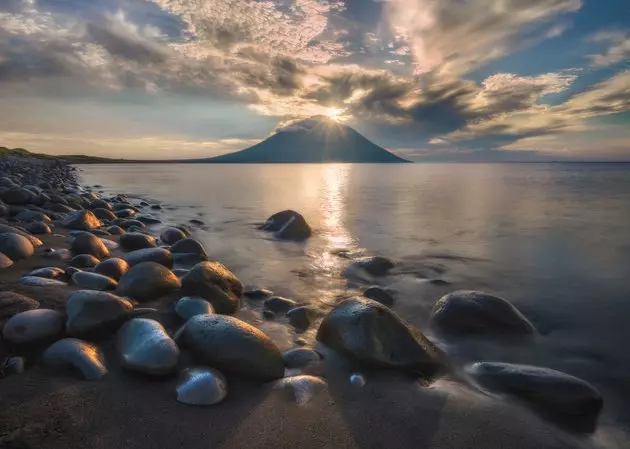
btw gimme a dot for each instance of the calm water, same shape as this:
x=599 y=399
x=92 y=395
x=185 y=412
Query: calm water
x=552 y=238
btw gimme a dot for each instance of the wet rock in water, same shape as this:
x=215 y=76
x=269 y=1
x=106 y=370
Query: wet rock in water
x=147 y=281
x=86 y=243
x=148 y=219
x=113 y=268
x=99 y=204
x=82 y=220
x=17 y=196
x=472 y=312
x=38 y=228
x=201 y=386
x=94 y=281
x=379 y=295
x=158 y=255
x=84 y=261
x=83 y=357
x=370 y=333
x=131 y=241
x=48 y=273
x=214 y=282
x=128 y=224
x=61 y=254
x=115 y=230
x=144 y=346
x=15 y=246
x=300 y=357
x=278 y=304
x=301 y=317
x=125 y=206
x=189 y=306
x=104 y=214
x=40 y=282
x=196 y=221
x=32 y=215
x=33 y=325
x=13 y=303
x=14 y=365
x=156 y=207
x=303 y=387
x=172 y=235
x=231 y=345
x=70 y=271
x=565 y=399
x=375 y=266
x=288 y=225
x=125 y=213
x=268 y=314
x=189 y=247
x=60 y=208
x=4 y=229
x=357 y=380
x=89 y=311
x=5 y=262
x=257 y=293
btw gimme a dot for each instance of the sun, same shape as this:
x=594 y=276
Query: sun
x=335 y=114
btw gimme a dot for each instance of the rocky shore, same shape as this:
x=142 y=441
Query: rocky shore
x=114 y=325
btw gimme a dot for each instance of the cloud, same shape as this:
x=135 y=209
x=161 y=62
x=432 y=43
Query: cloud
x=618 y=48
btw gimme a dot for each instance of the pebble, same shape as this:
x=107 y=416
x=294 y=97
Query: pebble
x=201 y=386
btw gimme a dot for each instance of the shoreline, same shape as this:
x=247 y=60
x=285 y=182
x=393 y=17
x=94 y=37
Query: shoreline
x=45 y=408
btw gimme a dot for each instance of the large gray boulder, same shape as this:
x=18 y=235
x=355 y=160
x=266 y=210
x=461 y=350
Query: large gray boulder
x=172 y=235
x=158 y=255
x=87 y=243
x=89 y=311
x=113 y=268
x=82 y=220
x=15 y=246
x=563 y=398
x=84 y=358
x=131 y=241
x=472 y=312
x=93 y=281
x=147 y=281
x=367 y=332
x=214 y=282
x=144 y=346
x=288 y=225
x=33 y=325
x=189 y=248
x=231 y=345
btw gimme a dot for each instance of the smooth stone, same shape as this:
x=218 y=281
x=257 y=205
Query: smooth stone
x=144 y=346
x=300 y=357
x=5 y=262
x=148 y=219
x=563 y=398
x=13 y=230
x=124 y=206
x=189 y=306
x=357 y=380
x=113 y=268
x=201 y=386
x=103 y=214
x=257 y=293
x=125 y=213
x=82 y=220
x=214 y=282
x=40 y=282
x=87 y=243
x=147 y=281
x=196 y=222
x=70 y=271
x=472 y=312
x=48 y=273
x=172 y=235
x=127 y=224
x=379 y=295
x=110 y=244
x=59 y=208
x=15 y=246
x=268 y=314
x=85 y=358
x=189 y=246
x=84 y=261
x=115 y=230
x=370 y=333
x=300 y=317
x=33 y=325
x=17 y=196
x=158 y=255
x=278 y=304
x=13 y=365
x=156 y=207
x=375 y=266
x=89 y=310
x=231 y=345
x=99 y=204
x=131 y=241
x=288 y=225
x=38 y=228
x=55 y=198
x=94 y=281
x=304 y=387
x=32 y=215
x=13 y=303
x=61 y=254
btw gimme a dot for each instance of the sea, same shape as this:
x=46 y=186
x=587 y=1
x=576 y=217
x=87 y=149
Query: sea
x=554 y=239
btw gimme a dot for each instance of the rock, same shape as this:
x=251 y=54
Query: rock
x=147 y=281
x=115 y=230
x=125 y=213
x=110 y=244
x=370 y=333
x=39 y=228
x=561 y=397
x=60 y=208
x=113 y=268
x=300 y=357
x=83 y=357
x=15 y=246
x=375 y=266
x=32 y=215
x=100 y=233
x=268 y=314
x=172 y=235
x=125 y=206
x=48 y=273
x=128 y=224
x=300 y=317
x=158 y=255
x=17 y=195
x=288 y=225
x=189 y=306
x=303 y=387
x=231 y=345
x=13 y=365
x=144 y=346
x=33 y=325
x=70 y=271
x=278 y=304
x=99 y=204
x=104 y=214
x=5 y=262
x=13 y=303
x=379 y=295
x=196 y=222
x=93 y=281
x=131 y=241
x=58 y=199
x=357 y=380
x=201 y=386
x=88 y=311
x=258 y=293
x=86 y=243
x=156 y=207
x=84 y=261
x=40 y=282
x=471 y=312
x=214 y=282
x=82 y=220
x=148 y=219
x=189 y=247
x=61 y=254
x=4 y=229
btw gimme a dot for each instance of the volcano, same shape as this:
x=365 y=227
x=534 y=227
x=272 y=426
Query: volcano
x=314 y=140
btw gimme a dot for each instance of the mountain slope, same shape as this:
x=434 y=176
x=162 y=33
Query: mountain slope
x=317 y=139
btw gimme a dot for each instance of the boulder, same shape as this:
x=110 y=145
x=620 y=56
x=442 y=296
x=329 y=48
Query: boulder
x=93 y=281
x=115 y=230
x=104 y=214
x=4 y=229
x=158 y=255
x=17 y=196
x=201 y=386
x=99 y=204
x=565 y=399
x=288 y=225
x=301 y=317
x=472 y=312
x=144 y=346
x=84 y=261
x=59 y=208
x=375 y=266
x=190 y=248
x=82 y=220
x=148 y=219
x=41 y=282
x=367 y=332
x=189 y=306
x=113 y=268
x=172 y=235
x=147 y=281
x=278 y=304
x=214 y=282
x=32 y=215
x=33 y=325
x=39 y=228
x=128 y=224
x=300 y=357
x=58 y=199
x=13 y=303
x=88 y=311
x=257 y=293
x=48 y=273
x=15 y=246
x=5 y=262
x=231 y=345
x=131 y=241
x=83 y=357
x=87 y=243
x=124 y=213
x=379 y=295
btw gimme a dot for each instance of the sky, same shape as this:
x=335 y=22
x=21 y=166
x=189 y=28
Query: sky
x=430 y=80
